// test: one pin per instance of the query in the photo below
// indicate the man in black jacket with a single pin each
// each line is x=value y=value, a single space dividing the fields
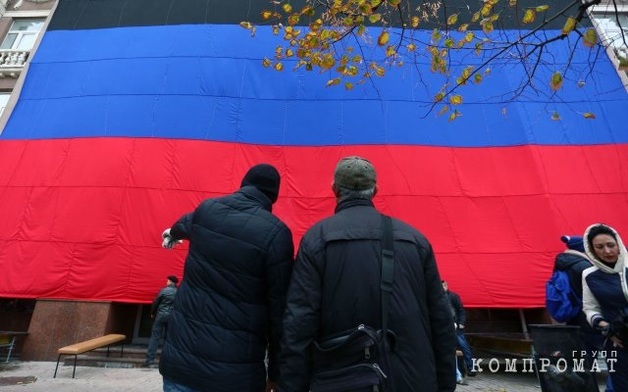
x=335 y=286
x=460 y=320
x=160 y=311
x=229 y=307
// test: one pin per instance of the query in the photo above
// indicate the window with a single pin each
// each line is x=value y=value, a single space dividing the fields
x=22 y=34
x=4 y=100
x=611 y=27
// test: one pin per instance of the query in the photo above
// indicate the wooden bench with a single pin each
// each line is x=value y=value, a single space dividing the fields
x=89 y=345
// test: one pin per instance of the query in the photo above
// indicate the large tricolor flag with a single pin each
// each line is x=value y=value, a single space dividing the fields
x=133 y=111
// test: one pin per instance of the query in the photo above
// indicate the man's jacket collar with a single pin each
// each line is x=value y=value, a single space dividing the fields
x=352 y=203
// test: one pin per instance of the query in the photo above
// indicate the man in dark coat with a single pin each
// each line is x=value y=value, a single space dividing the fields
x=460 y=321
x=160 y=311
x=229 y=308
x=335 y=286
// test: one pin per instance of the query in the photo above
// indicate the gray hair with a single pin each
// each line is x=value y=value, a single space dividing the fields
x=346 y=194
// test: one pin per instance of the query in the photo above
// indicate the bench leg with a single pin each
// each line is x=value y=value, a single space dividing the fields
x=58 y=359
x=11 y=348
x=74 y=370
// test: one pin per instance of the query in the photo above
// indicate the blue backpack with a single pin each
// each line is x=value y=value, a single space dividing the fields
x=561 y=301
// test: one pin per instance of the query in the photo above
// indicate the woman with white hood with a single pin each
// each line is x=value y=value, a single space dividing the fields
x=605 y=296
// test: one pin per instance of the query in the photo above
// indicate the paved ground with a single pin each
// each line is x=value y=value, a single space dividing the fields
x=37 y=377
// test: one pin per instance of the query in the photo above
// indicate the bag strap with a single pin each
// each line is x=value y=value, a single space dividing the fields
x=388 y=268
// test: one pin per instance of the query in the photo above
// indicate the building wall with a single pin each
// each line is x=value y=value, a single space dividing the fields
x=59 y=323
x=15 y=9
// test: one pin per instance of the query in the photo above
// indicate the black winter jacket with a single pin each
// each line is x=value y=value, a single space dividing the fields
x=335 y=286
x=456 y=307
x=229 y=306
x=164 y=302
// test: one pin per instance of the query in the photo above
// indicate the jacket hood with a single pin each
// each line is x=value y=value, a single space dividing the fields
x=260 y=197
x=621 y=260
x=567 y=259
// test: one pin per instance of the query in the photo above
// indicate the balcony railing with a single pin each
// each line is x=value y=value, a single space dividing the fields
x=12 y=62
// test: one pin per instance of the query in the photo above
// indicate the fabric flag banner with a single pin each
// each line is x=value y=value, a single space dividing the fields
x=132 y=112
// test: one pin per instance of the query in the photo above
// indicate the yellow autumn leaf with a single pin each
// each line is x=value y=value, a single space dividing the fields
x=555 y=116
x=246 y=25
x=556 y=81
x=348 y=86
x=436 y=35
x=455 y=100
x=590 y=38
x=390 y=51
x=411 y=47
x=415 y=22
x=394 y=3
x=528 y=16
x=463 y=27
x=266 y=15
x=542 y=8
x=487 y=27
x=443 y=110
x=439 y=97
x=478 y=48
x=452 y=19
x=570 y=24
x=375 y=18
x=454 y=115
x=266 y=62
x=589 y=116
x=287 y=8
x=486 y=10
x=328 y=61
x=293 y=19
x=333 y=82
x=307 y=10
x=469 y=36
x=383 y=38
x=477 y=78
x=278 y=67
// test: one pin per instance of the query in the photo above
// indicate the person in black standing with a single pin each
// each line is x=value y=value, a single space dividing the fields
x=336 y=286
x=460 y=321
x=229 y=307
x=160 y=311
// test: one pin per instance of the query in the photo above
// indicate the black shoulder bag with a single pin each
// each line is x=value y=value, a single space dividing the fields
x=357 y=360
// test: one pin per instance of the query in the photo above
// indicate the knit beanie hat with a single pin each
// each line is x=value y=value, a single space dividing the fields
x=265 y=178
x=173 y=279
x=574 y=242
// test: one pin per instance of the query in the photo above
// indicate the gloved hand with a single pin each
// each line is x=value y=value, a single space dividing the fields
x=168 y=241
